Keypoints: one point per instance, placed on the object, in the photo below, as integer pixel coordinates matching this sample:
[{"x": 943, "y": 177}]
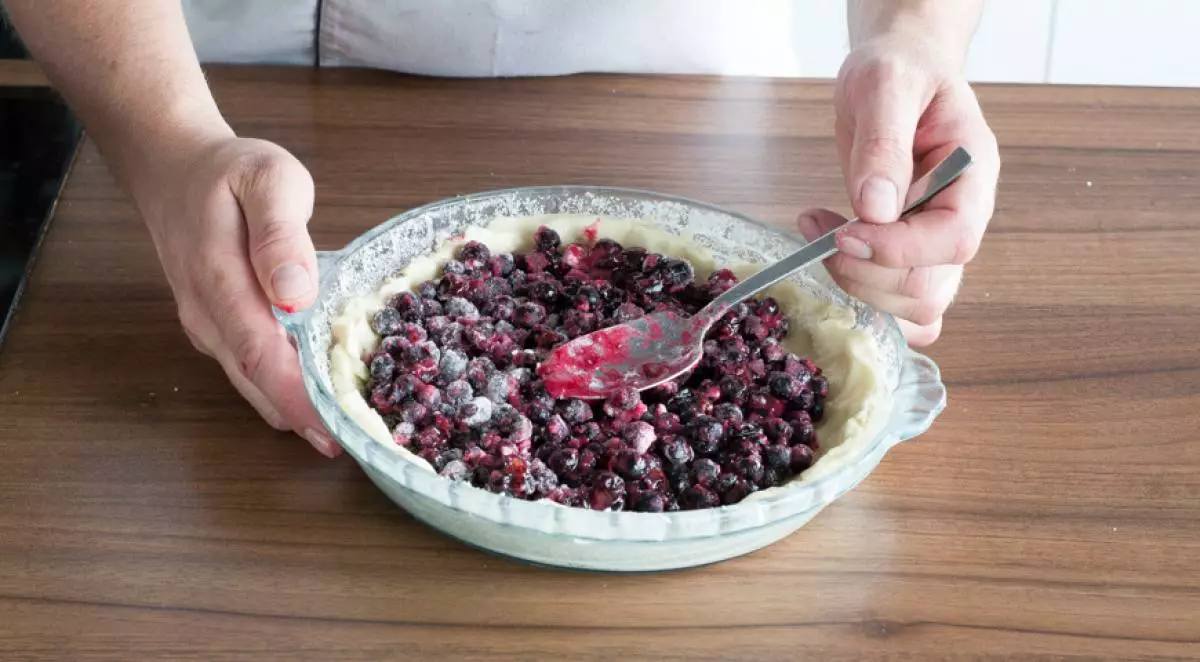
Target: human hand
[
  {"x": 229, "y": 221},
  {"x": 899, "y": 102}
]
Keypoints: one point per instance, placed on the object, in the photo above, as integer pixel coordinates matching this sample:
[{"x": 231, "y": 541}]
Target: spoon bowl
[
  {"x": 638, "y": 354},
  {"x": 657, "y": 348}
]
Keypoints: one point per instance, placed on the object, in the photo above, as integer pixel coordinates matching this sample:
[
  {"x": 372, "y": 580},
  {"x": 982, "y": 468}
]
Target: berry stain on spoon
[{"x": 602, "y": 363}]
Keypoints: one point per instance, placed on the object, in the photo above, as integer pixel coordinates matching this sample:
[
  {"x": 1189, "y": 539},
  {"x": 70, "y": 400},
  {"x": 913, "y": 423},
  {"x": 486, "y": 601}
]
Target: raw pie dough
[{"x": 858, "y": 400}]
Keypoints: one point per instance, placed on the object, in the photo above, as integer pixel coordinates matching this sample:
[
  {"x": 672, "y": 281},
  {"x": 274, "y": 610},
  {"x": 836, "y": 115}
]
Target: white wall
[
  {"x": 1108, "y": 42},
  {"x": 1104, "y": 42}
]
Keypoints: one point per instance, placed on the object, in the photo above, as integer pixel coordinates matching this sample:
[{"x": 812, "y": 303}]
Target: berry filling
[{"x": 455, "y": 379}]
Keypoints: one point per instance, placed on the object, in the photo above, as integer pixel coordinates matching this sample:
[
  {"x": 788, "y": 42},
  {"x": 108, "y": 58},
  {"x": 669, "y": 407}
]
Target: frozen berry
[
  {"x": 750, "y": 467},
  {"x": 631, "y": 464},
  {"x": 721, "y": 280},
  {"x": 751, "y": 434},
  {"x": 706, "y": 433},
  {"x": 476, "y": 412},
  {"x": 541, "y": 478},
  {"x": 564, "y": 495},
  {"x": 665, "y": 422},
  {"x": 576, "y": 411},
  {"x": 784, "y": 385},
  {"x": 754, "y": 329},
  {"x": 479, "y": 370},
  {"x": 521, "y": 376},
  {"x": 529, "y": 314},
  {"x": 539, "y": 406},
  {"x": 427, "y": 290},
  {"x": 705, "y": 471},
  {"x": 474, "y": 250},
  {"x": 771, "y": 351},
  {"x": 546, "y": 239},
  {"x": 408, "y": 305},
  {"x": 557, "y": 429},
  {"x": 697, "y": 497},
  {"x": 430, "y": 438},
  {"x": 521, "y": 431},
  {"x": 460, "y": 307},
  {"x": 534, "y": 263},
  {"x": 606, "y": 254},
  {"x": 574, "y": 255},
  {"x": 404, "y": 386},
  {"x": 383, "y": 366},
  {"x": 502, "y": 308},
  {"x": 502, "y": 264},
  {"x": 413, "y": 412},
  {"x": 733, "y": 388},
  {"x": 564, "y": 461},
  {"x": 764, "y": 404},
  {"x": 820, "y": 386},
  {"x": 772, "y": 477},
  {"x": 428, "y": 395},
  {"x": 803, "y": 431},
  {"x": 639, "y": 434},
  {"x": 386, "y": 321},
  {"x": 455, "y": 470},
  {"x": 801, "y": 458},
  {"x": 778, "y": 430},
  {"x": 650, "y": 502},
  {"x": 607, "y": 492},
  {"x": 589, "y": 431},
  {"x": 628, "y": 312},
  {"x": 452, "y": 365},
  {"x": 738, "y": 490},
  {"x": 624, "y": 399},
  {"x": 728, "y": 413},
  {"x": 403, "y": 433},
  {"x": 797, "y": 367},
  {"x": 677, "y": 273},
  {"x": 678, "y": 452},
  {"x": 499, "y": 386},
  {"x": 778, "y": 457},
  {"x": 413, "y": 332}
]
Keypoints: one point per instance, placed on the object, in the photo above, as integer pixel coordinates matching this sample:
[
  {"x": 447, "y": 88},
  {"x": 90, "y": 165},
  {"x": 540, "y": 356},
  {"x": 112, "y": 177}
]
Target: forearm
[
  {"x": 128, "y": 69},
  {"x": 950, "y": 24}
]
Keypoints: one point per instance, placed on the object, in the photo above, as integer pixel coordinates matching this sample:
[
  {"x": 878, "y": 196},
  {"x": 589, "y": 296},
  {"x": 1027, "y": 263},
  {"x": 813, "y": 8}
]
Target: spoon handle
[{"x": 924, "y": 188}]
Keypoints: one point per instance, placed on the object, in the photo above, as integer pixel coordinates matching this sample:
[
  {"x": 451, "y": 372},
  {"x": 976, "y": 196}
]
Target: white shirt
[{"x": 503, "y": 37}]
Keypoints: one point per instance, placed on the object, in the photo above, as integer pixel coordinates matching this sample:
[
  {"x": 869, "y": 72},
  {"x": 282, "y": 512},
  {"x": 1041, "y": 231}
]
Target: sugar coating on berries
[
  {"x": 476, "y": 412},
  {"x": 639, "y": 435},
  {"x": 455, "y": 377}
]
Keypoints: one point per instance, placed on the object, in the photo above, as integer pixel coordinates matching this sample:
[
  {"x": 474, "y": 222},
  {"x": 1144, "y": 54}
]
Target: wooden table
[{"x": 1053, "y": 510}]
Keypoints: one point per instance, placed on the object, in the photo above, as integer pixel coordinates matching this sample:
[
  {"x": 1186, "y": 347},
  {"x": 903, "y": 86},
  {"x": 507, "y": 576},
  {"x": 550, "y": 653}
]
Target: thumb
[
  {"x": 881, "y": 155},
  {"x": 275, "y": 192}
]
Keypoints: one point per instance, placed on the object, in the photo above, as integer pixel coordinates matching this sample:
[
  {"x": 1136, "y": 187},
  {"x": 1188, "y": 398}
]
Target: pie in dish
[{"x": 439, "y": 365}]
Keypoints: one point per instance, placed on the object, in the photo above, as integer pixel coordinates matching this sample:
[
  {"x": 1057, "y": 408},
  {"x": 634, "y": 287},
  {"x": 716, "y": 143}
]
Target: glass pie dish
[{"x": 550, "y": 534}]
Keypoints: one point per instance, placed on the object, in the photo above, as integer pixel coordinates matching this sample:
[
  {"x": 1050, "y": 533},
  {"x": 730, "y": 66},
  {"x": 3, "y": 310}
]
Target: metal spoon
[{"x": 650, "y": 350}]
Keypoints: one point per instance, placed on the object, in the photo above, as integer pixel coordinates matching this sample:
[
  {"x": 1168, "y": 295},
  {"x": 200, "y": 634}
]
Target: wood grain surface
[{"x": 1052, "y": 512}]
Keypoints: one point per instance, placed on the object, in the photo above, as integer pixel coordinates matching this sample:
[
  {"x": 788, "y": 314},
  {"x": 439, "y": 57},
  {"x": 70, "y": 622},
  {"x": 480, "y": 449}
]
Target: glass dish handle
[{"x": 920, "y": 397}]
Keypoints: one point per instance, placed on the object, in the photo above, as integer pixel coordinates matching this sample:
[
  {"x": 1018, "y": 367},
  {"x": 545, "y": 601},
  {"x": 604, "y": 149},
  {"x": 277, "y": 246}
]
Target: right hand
[{"x": 229, "y": 220}]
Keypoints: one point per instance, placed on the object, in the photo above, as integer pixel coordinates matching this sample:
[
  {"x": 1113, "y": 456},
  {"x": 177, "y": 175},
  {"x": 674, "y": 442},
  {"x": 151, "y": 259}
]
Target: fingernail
[
  {"x": 855, "y": 247},
  {"x": 272, "y": 417},
  {"x": 880, "y": 199},
  {"x": 290, "y": 281},
  {"x": 808, "y": 227},
  {"x": 324, "y": 444}
]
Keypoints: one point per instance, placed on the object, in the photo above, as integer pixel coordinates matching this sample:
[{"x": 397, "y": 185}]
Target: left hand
[{"x": 900, "y": 103}]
